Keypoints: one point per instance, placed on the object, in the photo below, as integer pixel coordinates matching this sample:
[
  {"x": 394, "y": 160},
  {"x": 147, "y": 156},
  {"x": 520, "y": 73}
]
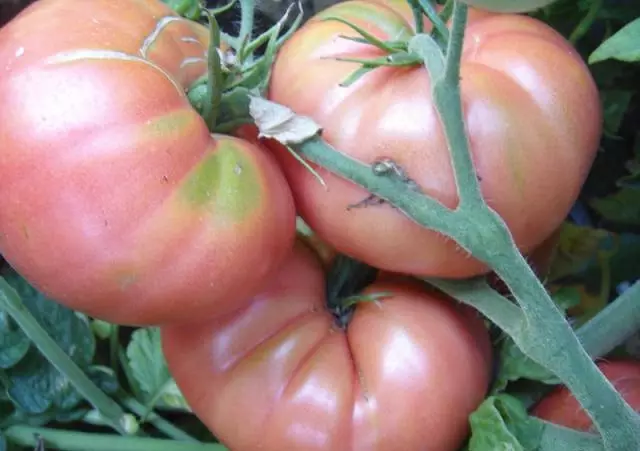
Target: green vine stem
[
  {"x": 538, "y": 326},
  {"x": 587, "y": 21},
  {"x": 81, "y": 441},
  {"x": 615, "y": 324},
  {"x": 10, "y": 301},
  {"x": 162, "y": 425}
]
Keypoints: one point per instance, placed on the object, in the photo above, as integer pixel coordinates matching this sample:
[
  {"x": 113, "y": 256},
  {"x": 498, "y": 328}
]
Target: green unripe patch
[{"x": 226, "y": 182}]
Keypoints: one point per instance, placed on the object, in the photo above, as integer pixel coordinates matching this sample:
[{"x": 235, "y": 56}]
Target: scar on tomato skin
[{"x": 369, "y": 201}]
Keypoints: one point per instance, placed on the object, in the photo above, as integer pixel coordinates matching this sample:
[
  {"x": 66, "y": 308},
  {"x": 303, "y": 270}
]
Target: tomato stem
[
  {"x": 11, "y": 302},
  {"x": 439, "y": 26},
  {"x": 82, "y": 441},
  {"x": 162, "y": 425},
  {"x": 586, "y": 22},
  {"x": 247, "y": 12},
  {"x": 215, "y": 81},
  {"x": 416, "y": 9},
  {"x": 614, "y": 324}
]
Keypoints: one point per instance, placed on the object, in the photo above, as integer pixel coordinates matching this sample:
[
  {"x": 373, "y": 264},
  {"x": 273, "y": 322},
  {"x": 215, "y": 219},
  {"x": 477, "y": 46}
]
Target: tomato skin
[
  {"x": 118, "y": 201},
  {"x": 526, "y": 94},
  {"x": 561, "y": 408},
  {"x": 405, "y": 375}
]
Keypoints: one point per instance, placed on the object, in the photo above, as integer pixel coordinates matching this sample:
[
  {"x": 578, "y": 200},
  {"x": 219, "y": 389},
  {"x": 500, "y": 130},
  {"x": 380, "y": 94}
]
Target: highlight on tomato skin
[
  {"x": 561, "y": 408},
  {"x": 280, "y": 374},
  {"x": 122, "y": 204},
  {"x": 532, "y": 114}
]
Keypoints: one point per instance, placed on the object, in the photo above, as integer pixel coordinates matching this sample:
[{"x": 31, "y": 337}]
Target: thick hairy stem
[{"x": 548, "y": 339}]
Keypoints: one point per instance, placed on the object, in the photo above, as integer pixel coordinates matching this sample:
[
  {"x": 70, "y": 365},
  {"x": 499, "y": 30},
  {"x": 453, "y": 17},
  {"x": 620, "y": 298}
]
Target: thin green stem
[
  {"x": 613, "y": 325},
  {"x": 162, "y": 425},
  {"x": 11, "y": 302},
  {"x": 447, "y": 10},
  {"x": 587, "y": 21},
  {"x": 439, "y": 26},
  {"x": 446, "y": 96},
  {"x": 80, "y": 441},
  {"x": 247, "y": 12},
  {"x": 211, "y": 109},
  {"x": 477, "y": 293},
  {"x": 416, "y": 9}
]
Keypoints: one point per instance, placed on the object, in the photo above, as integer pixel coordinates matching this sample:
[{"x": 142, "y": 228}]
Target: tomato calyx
[
  {"x": 422, "y": 48},
  {"x": 346, "y": 279},
  {"x": 239, "y": 67}
]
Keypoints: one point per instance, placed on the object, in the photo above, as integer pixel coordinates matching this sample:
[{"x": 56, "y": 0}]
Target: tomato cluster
[{"x": 119, "y": 202}]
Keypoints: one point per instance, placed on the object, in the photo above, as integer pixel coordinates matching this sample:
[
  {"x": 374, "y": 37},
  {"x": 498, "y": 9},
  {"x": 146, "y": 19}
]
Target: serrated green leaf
[
  {"x": 624, "y": 45},
  {"x": 501, "y": 423},
  {"x": 34, "y": 385},
  {"x": 149, "y": 369},
  {"x": 13, "y": 343},
  {"x": 622, "y": 207}
]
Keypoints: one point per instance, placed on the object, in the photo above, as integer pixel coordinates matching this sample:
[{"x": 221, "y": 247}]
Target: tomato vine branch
[
  {"x": 544, "y": 335},
  {"x": 613, "y": 325}
]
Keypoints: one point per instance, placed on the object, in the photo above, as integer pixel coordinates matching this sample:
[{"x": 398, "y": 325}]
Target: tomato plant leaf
[
  {"x": 615, "y": 103},
  {"x": 578, "y": 247},
  {"x": 150, "y": 372},
  {"x": 501, "y": 423},
  {"x": 624, "y": 45},
  {"x": 622, "y": 207},
  {"x": 13, "y": 343},
  {"x": 33, "y": 383}
]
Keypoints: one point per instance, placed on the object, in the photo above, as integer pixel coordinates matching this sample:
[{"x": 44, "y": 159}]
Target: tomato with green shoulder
[{"x": 117, "y": 200}]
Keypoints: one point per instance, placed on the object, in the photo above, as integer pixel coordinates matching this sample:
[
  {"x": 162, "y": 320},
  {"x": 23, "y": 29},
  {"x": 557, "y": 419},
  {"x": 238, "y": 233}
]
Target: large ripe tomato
[
  {"x": 116, "y": 199},
  {"x": 560, "y": 407},
  {"x": 280, "y": 375},
  {"x": 532, "y": 114}
]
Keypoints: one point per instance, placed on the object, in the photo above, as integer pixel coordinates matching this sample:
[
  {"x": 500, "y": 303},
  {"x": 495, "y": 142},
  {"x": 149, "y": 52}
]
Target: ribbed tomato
[
  {"x": 116, "y": 199},
  {"x": 531, "y": 110},
  {"x": 279, "y": 374}
]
